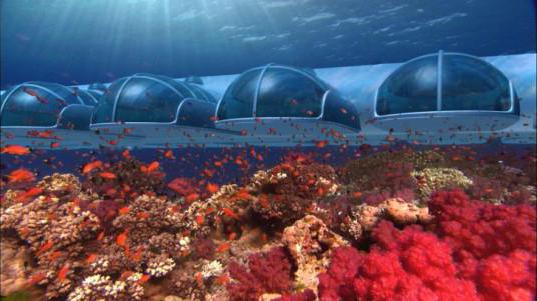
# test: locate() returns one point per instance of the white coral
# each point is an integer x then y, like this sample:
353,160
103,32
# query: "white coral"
212,268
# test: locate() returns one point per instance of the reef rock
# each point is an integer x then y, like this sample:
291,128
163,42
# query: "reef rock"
310,243
12,263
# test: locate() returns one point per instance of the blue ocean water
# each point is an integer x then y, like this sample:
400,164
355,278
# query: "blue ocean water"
78,42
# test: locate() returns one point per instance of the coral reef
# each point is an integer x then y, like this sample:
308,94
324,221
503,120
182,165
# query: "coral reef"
382,227
266,272
310,243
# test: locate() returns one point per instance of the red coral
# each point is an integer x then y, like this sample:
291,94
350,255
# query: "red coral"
478,251
495,246
267,272
404,265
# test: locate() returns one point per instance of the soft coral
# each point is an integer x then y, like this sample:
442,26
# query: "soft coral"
268,272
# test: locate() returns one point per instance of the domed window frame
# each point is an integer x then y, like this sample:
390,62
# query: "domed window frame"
60,119
439,86
264,69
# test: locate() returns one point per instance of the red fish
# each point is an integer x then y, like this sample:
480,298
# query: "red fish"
21,175
212,188
107,175
91,166
121,239
37,277
126,154
29,194
222,247
200,220
143,215
54,144
91,258
169,154
230,213
124,210
62,274
15,150
321,144
150,168
44,247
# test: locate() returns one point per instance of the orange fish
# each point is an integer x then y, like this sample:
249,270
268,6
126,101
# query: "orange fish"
37,277
100,236
44,247
91,166
199,220
232,236
192,197
112,142
62,274
124,210
230,213
107,175
169,154
54,144
217,164
29,193
91,258
21,175
150,168
138,255
357,194
143,215
144,279
55,255
222,247
222,279
199,278
212,188
321,144
15,150
126,154
121,239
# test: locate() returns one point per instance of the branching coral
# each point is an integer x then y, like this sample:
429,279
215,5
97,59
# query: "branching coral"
99,287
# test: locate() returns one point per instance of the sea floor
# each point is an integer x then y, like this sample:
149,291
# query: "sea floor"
451,223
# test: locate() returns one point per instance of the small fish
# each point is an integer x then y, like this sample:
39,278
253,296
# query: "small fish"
357,194
222,247
232,236
222,279
55,255
138,255
212,188
126,154
143,215
91,258
150,168
91,166
29,194
144,279
321,144
62,274
107,175
230,213
169,154
36,278
121,239
44,247
100,236
200,220
112,142
54,144
343,110
199,279
124,210
192,197
15,150
21,175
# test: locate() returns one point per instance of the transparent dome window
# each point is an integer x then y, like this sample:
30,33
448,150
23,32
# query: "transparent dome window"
104,111
288,93
470,84
146,100
239,99
411,88
34,104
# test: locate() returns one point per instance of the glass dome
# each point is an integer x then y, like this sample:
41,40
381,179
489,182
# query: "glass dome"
35,104
446,82
282,91
146,98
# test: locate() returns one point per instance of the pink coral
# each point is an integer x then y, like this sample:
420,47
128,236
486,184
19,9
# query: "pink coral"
478,251
267,272
404,265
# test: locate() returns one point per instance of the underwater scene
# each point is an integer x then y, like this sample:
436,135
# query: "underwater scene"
257,150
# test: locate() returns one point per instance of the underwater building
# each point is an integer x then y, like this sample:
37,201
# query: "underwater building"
440,98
